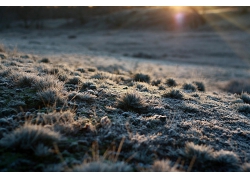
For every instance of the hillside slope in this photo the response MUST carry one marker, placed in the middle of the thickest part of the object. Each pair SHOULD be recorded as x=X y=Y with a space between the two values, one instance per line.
x=73 y=116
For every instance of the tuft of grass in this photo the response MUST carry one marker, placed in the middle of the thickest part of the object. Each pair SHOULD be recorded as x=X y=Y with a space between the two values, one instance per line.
x=91 y=69
x=48 y=69
x=245 y=97
x=54 y=70
x=244 y=108
x=189 y=87
x=69 y=126
x=50 y=97
x=227 y=161
x=171 y=82
x=162 y=87
x=25 y=79
x=246 y=167
x=75 y=80
x=200 y=86
x=3 y=55
x=2 y=48
x=5 y=72
x=163 y=166
x=102 y=167
x=156 y=82
x=85 y=96
x=47 y=82
x=237 y=86
x=100 y=75
x=81 y=70
x=189 y=107
x=16 y=103
x=28 y=137
x=173 y=93
x=88 y=85
x=55 y=117
x=143 y=87
x=132 y=101
x=45 y=60
x=206 y=159
x=63 y=76
x=141 y=77
x=201 y=152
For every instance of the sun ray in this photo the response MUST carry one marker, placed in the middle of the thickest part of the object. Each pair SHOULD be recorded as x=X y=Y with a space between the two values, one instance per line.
x=234 y=22
x=239 y=49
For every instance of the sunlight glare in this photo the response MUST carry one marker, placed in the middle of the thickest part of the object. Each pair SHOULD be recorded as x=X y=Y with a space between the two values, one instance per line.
x=179 y=15
x=236 y=48
x=179 y=18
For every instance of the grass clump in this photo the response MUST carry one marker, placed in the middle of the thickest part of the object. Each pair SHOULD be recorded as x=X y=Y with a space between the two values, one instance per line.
x=143 y=87
x=100 y=75
x=173 y=93
x=246 y=167
x=88 y=85
x=162 y=87
x=81 y=70
x=85 y=96
x=189 y=107
x=142 y=77
x=55 y=117
x=102 y=167
x=2 y=48
x=206 y=159
x=171 y=82
x=5 y=72
x=75 y=80
x=53 y=71
x=47 y=82
x=189 y=87
x=63 y=76
x=163 y=166
x=28 y=137
x=244 y=108
x=227 y=161
x=48 y=69
x=45 y=60
x=131 y=101
x=156 y=82
x=25 y=80
x=200 y=86
x=237 y=86
x=91 y=69
x=16 y=103
x=245 y=97
x=50 y=97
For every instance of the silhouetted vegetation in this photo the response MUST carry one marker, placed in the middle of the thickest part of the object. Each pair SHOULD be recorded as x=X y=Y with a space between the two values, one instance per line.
x=34 y=16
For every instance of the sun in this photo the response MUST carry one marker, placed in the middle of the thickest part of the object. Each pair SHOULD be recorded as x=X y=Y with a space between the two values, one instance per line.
x=179 y=15
x=178 y=8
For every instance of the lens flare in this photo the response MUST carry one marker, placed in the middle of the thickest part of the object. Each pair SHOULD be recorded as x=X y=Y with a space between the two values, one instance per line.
x=179 y=19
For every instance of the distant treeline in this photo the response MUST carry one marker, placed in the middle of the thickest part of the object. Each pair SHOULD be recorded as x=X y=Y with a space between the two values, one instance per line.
x=34 y=14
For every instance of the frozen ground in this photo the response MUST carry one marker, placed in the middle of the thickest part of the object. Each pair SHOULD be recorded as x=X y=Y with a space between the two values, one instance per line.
x=105 y=100
x=214 y=56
